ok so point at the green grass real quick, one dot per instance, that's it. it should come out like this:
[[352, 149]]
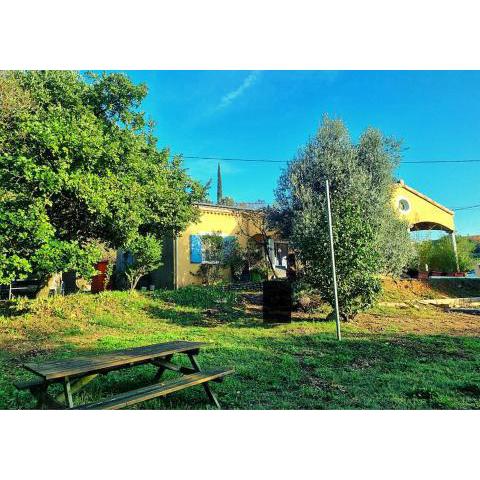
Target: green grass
[[294, 366]]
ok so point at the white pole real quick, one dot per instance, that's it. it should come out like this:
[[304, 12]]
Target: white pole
[[454, 242], [332, 255]]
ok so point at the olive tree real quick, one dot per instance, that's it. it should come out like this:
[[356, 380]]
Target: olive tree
[[364, 222]]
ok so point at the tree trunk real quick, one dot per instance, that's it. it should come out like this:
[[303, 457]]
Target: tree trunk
[[48, 283], [265, 247], [134, 283], [343, 317]]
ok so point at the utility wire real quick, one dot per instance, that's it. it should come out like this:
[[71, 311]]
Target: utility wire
[[466, 208], [265, 160], [261, 160]]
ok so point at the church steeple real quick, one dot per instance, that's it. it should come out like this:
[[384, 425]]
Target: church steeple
[[219, 185]]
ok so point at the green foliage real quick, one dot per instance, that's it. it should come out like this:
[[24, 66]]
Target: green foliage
[[220, 255], [147, 255], [210, 271], [369, 238], [227, 201], [198, 297], [394, 244], [57, 256], [439, 255], [78, 163], [235, 258], [356, 262]]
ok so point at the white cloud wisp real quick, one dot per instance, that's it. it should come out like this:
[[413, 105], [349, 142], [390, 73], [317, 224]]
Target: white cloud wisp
[[234, 94]]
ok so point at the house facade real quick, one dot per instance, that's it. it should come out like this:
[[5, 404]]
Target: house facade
[[183, 255], [421, 212]]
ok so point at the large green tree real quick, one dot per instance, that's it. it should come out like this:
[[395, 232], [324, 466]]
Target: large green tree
[[79, 164], [369, 237]]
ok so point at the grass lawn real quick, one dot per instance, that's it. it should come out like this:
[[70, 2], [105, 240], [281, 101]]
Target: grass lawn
[[410, 358]]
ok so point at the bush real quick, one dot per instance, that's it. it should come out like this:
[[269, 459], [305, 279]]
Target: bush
[[147, 254], [305, 297], [197, 296], [439, 255]]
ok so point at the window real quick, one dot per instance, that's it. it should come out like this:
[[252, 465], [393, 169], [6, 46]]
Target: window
[[212, 247], [403, 205], [281, 253], [209, 248]]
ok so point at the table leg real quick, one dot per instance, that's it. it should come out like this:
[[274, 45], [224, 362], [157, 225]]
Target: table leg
[[206, 386], [44, 400], [67, 392], [40, 394], [76, 386], [162, 369]]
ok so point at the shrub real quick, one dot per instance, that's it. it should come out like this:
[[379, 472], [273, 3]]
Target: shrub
[[197, 296], [439, 255], [147, 254]]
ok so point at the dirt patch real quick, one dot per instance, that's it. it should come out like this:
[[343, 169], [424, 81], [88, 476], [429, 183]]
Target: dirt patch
[[408, 290], [434, 322], [428, 320]]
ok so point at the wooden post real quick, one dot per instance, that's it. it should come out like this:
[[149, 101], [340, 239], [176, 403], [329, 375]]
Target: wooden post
[[67, 392], [76, 386], [332, 255], [161, 369], [206, 386]]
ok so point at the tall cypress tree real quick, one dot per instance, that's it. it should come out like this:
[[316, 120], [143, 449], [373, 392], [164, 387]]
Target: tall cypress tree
[[219, 185]]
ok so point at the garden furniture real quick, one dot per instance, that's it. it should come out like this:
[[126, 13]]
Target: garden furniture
[[75, 373]]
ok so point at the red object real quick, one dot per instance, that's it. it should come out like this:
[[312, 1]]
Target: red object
[[435, 274], [458, 274], [422, 275], [98, 281]]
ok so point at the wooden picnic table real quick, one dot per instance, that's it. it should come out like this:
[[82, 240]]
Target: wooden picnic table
[[76, 373]]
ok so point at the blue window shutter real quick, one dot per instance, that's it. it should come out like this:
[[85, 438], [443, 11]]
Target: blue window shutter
[[228, 243], [195, 249]]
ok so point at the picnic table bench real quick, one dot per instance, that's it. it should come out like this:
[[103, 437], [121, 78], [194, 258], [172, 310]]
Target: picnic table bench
[[76, 373]]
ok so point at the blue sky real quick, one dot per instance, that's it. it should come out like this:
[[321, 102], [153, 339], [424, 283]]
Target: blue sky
[[270, 114]]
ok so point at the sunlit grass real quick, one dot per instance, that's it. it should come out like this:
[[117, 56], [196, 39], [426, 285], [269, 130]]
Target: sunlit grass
[[380, 363]]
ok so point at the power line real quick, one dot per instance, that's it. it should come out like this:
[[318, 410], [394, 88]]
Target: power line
[[475, 160], [262, 160], [265, 160], [466, 208]]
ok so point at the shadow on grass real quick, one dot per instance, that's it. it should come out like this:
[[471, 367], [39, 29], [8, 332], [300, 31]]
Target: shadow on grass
[[9, 308], [456, 287], [209, 317]]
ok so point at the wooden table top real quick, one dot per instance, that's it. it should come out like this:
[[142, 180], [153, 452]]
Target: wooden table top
[[90, 364]]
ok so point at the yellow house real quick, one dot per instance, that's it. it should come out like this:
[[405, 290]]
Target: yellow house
[[184, 254], [423, 213], [420, 211]]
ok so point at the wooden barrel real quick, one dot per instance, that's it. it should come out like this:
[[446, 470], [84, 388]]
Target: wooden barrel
[[277, 301]]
